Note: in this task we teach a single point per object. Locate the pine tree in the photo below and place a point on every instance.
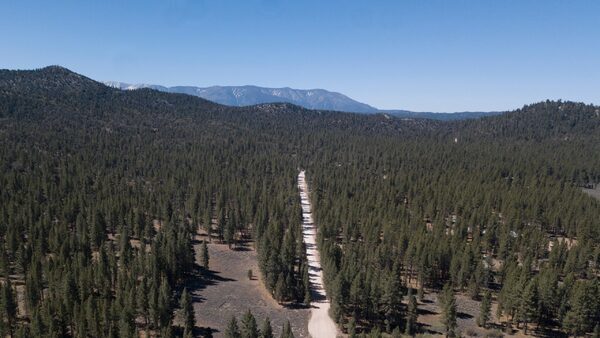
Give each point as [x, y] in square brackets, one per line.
[164, 303]
[393, 300]
[232, 330]
[306, 283]
[167, 331]
[266, 330]
[411, 315]
[229, 234]
[125, 328]
[187, 311]
[205, 257]
[249, 328]
[375, 333]
[9, 305]
[420, 292]
[583, 304]
[351, 327]
[473, 288]
[485, 310]
[528, 309]
[280, 288]
[287, 331]
[448, 303]
[142, 301]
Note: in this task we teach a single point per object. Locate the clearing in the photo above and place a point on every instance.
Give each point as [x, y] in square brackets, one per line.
[227, 291]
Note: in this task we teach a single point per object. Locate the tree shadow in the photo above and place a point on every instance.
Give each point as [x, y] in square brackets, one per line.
[296, 306]
[463, 315]
[204, 332]
[426, 328]
[203, 278]
[423, 312]
[241, 248]
[196, 332]
[548, 332]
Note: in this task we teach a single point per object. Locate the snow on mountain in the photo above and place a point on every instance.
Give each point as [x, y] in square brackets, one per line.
[311, 99]
[250, 95]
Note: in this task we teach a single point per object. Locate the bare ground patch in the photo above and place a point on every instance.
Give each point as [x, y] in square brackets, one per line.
[227, 291]
[430, 319]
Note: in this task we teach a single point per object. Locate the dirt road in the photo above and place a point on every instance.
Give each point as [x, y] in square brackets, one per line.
[320, 324]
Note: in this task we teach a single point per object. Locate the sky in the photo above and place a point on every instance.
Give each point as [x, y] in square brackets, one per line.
[421, 55]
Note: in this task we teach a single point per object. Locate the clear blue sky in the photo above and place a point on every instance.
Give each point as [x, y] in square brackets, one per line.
[418, 55]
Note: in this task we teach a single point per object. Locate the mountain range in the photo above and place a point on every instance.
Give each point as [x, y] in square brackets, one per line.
[250, 95]
[319, 99]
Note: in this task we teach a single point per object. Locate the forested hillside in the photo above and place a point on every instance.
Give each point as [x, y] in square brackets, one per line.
[101, 191]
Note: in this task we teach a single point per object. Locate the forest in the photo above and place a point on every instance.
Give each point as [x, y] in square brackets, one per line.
[102, 190]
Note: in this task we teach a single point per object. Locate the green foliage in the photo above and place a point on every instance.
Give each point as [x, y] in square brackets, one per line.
[249, 327]
[103, 192]
[266, 331]
[187, 311]
[448, 305]
[584, 310]
[412, 314]
[205, 258]
[485, 310]
[287, 331]
[232, 330]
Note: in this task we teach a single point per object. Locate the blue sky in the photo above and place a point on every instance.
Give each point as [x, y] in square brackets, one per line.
[417, 55]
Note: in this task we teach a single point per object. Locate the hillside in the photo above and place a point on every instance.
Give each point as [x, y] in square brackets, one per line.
[104, 193]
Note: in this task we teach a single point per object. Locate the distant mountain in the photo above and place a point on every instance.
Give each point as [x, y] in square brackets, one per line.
[250, 95]
[319, 99]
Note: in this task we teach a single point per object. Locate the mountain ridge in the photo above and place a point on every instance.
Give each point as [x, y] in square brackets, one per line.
[58, 90]
[321, 99]
[248, 95]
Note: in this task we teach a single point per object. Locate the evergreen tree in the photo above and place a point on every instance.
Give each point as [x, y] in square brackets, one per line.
[411, 315]
[393, 300]
[448, 304]
[249, 328]
[287, 331]
[9, 306]
[164, 303]
[528, 310]
[266, 330]
[126, 329]
[580, 317]
[232, 330]
[205, 256]
[187, 311]
[280, 288]
[306, 283]
[166, 331]
[485, 310]
[351, 327]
